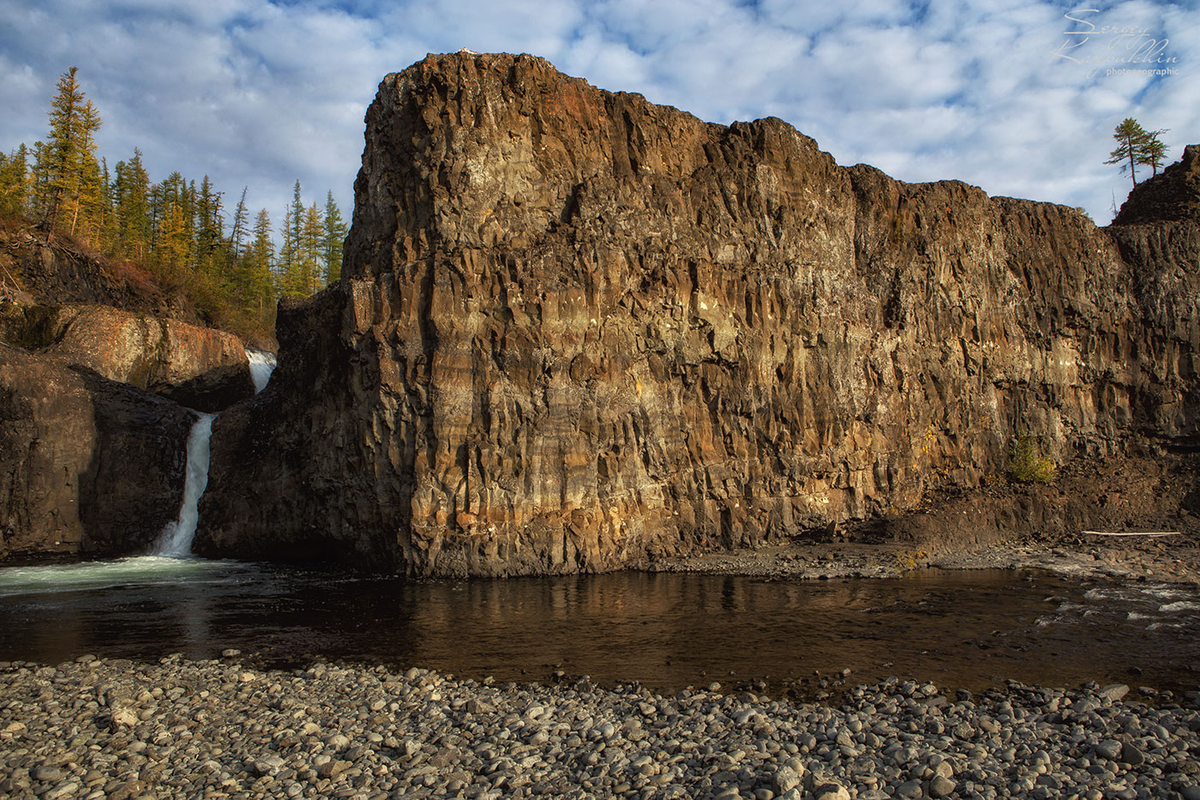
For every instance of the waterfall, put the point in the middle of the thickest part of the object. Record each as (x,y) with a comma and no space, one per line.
(175,541)
(261,366)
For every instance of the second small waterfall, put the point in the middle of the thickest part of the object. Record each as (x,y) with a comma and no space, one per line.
(175,541)
(262,364)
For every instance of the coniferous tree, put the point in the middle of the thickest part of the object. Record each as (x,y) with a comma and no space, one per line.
(296,215)
(240,221)
(334,237)
(312,237)
(132,208)
(286,272)
(14,182)
(67,161)
(38,193)
(104,225)
(1131,138)
(174,243)
(1153,152)
(261,258)
(210,230)
(88,208)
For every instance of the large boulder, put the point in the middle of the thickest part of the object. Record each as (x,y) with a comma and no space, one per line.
(202,368)
(88,466)
(576,329)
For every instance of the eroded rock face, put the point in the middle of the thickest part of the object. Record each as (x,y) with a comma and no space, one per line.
(576,329)
(201,368)
(1173,196)
(88,466)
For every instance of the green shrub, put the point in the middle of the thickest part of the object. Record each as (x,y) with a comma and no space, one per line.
(1026,464)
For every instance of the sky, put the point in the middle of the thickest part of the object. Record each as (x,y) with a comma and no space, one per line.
(1019,97)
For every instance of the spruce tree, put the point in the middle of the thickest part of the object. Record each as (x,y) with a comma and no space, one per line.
(296,215)
(210,230)
(174,222)
(311,246)
(240,221)
(286,272)
(260,259)
(132,208)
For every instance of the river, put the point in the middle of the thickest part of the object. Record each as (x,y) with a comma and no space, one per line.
(959,629)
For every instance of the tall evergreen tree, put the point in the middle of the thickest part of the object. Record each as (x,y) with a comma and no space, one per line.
(210,230)
(14,181)
(240,221)
(259,260)
(334,237)
(312,236)
(286,266)
(296,211)
(132,208)
(71,174)
(1131,138)
(1153,152)
(104,224)
(174,223)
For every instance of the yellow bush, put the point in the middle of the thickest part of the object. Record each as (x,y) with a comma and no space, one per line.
(1026,463)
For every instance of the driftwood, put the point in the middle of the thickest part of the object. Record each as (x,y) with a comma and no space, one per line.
(1132,533)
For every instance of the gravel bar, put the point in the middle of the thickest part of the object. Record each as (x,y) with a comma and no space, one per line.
(99,728)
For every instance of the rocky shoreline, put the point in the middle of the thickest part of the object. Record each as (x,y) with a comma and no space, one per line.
(97,728)
(1174,560)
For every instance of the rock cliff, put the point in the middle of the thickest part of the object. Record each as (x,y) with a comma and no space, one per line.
(577,329)
(201,368)
(88,466)
(85,310)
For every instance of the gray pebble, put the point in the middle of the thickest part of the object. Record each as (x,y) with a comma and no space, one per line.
(184,728)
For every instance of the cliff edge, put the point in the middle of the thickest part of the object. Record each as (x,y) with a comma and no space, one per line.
(577,330)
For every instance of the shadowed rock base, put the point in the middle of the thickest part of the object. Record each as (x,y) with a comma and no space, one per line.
(88,466)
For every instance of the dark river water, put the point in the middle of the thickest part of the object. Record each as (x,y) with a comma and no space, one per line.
(958,629)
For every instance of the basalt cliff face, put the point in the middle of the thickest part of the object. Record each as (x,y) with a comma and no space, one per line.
(88,466)
(576,330)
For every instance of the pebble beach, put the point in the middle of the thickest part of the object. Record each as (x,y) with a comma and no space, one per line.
(100,728)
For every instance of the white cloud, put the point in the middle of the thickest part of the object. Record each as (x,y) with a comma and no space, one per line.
(262,92)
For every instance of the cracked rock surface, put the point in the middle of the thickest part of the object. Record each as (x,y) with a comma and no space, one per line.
(577,330)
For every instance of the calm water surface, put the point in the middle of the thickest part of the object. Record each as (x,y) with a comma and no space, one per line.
(958,629)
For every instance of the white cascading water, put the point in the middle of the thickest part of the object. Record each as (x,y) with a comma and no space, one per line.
(175,541)
(262,364)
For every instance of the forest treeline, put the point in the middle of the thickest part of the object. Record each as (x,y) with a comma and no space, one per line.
(184,235)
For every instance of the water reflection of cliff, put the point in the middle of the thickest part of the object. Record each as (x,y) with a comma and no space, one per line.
(666,631)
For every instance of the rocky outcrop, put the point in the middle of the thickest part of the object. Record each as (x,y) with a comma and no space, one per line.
(59,298)
(576,329)
(1173,196)
(88,467)
(37,268)
(201,368)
